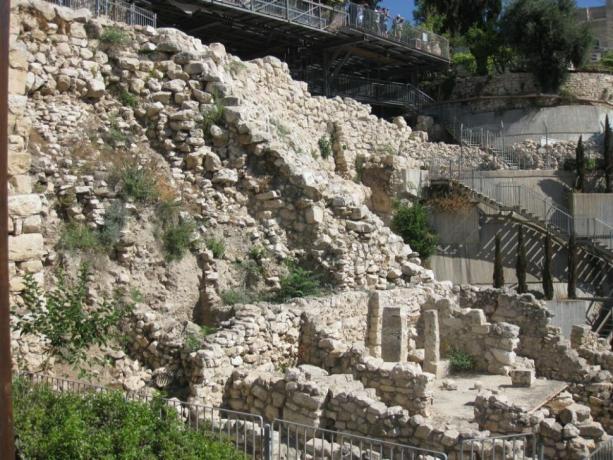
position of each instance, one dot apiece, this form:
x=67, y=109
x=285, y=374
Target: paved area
x=456, y=407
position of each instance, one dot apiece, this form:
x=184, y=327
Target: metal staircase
x=541, y=214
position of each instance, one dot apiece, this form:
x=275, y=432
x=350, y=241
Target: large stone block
x=24, y=205
x=25, y=247
x=17, y=81
x=18, y=162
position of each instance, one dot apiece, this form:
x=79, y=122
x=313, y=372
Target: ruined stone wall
x=26, y=248
x=491, y=344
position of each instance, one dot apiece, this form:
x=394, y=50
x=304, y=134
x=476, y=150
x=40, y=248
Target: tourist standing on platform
x=397, y=26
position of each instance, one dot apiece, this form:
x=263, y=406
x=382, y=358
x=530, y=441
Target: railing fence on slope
x=500, y=144
x=528, y=202
x=115, y=10
x=367, y=89
x=516, y=447
x=256, y=440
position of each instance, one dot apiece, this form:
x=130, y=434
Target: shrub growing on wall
x=411, y=223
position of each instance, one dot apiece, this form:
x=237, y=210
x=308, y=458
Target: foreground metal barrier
x=603, y=452
x=115, y=10
x=245, y=431
x=293, y=440
x=510, y=447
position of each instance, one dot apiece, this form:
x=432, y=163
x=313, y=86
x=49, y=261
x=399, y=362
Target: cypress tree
x=520, y=267
x=580, y=165
x=498, y=270
x=608, y=156
x=572, y=267
x=547, y=279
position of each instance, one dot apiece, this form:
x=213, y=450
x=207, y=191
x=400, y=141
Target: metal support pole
x=7, y=439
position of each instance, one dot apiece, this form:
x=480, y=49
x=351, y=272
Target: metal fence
x=115, y=10
x=367, y=90
x=510, y=447
x=501, y=144
x=603, y=452
x=250, y=436
x=374, y=22
x=304, y=12
x=527, y=202
x=302, y=441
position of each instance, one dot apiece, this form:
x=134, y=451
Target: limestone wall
x=26, y=248
x=585, y=85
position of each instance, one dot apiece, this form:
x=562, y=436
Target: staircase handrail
x=528, y=202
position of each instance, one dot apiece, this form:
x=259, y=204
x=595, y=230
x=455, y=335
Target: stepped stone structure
x=241, y=147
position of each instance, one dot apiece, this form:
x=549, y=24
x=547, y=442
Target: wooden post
x=7, y=436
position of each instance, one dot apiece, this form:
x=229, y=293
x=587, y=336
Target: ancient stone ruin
x=378, y=353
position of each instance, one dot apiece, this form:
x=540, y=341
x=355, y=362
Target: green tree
x=411, y=223
x=66, y=318
x=498, y=268
x=456, y=17
x=608, y=155
x=547, y=278
x=572, y=267
x=547, y=36
x=521, y=265
x=470, y=23
x=580, y=165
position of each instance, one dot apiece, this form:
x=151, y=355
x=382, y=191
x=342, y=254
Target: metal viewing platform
x=326, y=46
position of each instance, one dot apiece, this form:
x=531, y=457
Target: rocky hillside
x=191, y=179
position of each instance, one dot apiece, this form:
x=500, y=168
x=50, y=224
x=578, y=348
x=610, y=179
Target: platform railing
x=374, y=22
x=115, y=10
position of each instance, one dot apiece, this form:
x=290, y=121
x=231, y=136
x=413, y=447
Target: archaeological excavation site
x=297, y=268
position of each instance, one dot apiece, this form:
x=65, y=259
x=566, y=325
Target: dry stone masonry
x=241, y=147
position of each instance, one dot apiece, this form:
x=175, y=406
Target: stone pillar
x=373, y=324
x=203, y=314
x=394, y=334
x=432, y=342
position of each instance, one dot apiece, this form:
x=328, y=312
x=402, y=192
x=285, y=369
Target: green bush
x=216, y=246
x=460, y=361
x=325, y=147
x=129, y=99
x=114, y=221
x=236, y=296
x=214, y=115
x=137, y=182
x=77, y=236
x=96, y=426
x=177, y=239
x=114, y=35
x=360, y=163
x=299, y=282
x=66, y=318
x=465, y=60
x=411, y=223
